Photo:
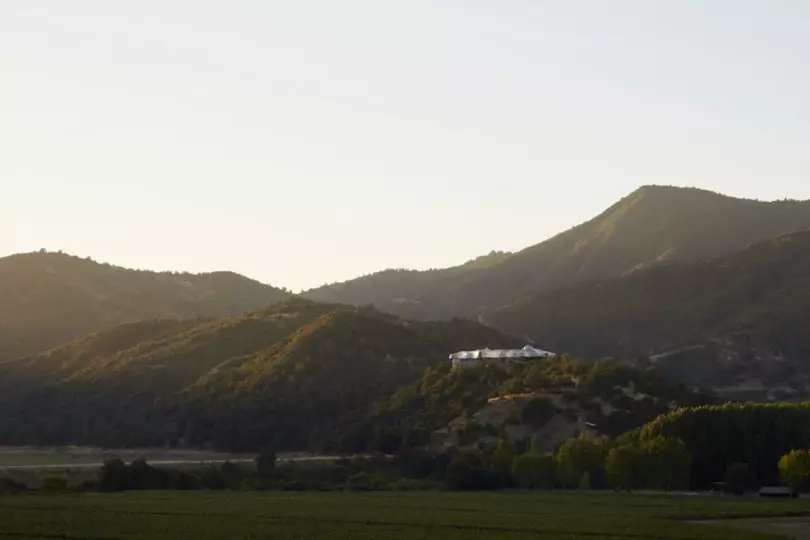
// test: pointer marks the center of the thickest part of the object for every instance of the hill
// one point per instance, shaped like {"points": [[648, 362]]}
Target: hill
{"points": [[548, 400], [740, 319], [52, 298], [304, 375], [653, 225], [294, 374]]}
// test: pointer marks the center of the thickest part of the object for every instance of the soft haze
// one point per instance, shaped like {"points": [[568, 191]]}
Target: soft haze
{"points": [[313, 141]]}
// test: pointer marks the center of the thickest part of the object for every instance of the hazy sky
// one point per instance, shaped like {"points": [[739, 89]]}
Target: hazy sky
{"points": [[300, 142]]}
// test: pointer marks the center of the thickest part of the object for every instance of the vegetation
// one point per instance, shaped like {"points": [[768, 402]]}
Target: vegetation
{"points": [[662, 463], [654, 224], [301, 375], [51, 298], [716, 437], [753, 297], [533, 470], [794, 469], [238, 383], [377, 516]]}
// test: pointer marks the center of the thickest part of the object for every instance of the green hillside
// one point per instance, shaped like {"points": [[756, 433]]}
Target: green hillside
{"points": [[295, 374], [748, 309], [610, 397], [653, 225], [49, 299]]}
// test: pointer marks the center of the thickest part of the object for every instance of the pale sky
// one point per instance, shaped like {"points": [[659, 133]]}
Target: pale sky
{"points": [[302, 142]]}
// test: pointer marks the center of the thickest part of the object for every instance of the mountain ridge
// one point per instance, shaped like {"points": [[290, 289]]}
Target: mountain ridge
{"points": [[296, 372], [52, 298], [653, 224], [744, 311]]}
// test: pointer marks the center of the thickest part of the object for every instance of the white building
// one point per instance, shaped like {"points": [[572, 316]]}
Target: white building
{"points": [[468, 358]]}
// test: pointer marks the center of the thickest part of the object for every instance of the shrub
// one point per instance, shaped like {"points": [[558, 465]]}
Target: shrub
{"points": [[794, 469], [54, 482], [8, 485]]}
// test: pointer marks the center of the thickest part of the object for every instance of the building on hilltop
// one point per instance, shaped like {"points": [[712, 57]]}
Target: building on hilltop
{"points": [[468, 358]]}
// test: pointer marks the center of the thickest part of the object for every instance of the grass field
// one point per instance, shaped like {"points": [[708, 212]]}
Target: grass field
{"points": [[382, 515]]}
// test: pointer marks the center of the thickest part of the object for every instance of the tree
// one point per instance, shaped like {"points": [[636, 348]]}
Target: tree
{"points": [[113, 476], [537, 413], [266, 463], [584, 481], [460, 472], [141, 475], [738, 477], [582, 454], [667, 463], [624, 467], [467, 471], [794, 469], [533, 470], [501, 461]]}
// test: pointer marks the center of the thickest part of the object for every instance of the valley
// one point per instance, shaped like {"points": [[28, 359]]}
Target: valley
{"points": [[646, 317]]}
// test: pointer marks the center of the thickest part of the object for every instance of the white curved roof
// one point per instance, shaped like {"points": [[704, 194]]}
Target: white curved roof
{"points": [[526, 352]]}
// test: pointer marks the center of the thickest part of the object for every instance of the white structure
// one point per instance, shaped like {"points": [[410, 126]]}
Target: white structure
{"points": [[468, 358]]}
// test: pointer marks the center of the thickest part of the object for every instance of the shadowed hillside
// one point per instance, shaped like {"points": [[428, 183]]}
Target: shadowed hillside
{"points": [[293, 374], [724, 313], [651, 226], [49, 299]]}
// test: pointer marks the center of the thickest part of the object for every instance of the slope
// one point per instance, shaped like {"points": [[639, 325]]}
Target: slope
{"points": [[654, 224], [741, 315], [49, 299], [292, 374]]}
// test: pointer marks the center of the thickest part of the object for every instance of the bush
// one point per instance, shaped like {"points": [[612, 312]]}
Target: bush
{"points": [[410, 484], [7, 485], [414, 463], [360, 482], [113, 476], [467, 472], [321, 474], [54, 482]]}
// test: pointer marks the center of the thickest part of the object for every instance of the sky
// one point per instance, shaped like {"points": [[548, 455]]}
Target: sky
{"points": [[307, 142]]}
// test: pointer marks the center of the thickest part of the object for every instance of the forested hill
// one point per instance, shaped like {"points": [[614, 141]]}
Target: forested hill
{"points": [[747, 313], [297, 374], [49, 299], [654, 224]]}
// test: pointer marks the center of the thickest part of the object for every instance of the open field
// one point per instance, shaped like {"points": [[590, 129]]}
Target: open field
{"points": [[381, 515], [85, 457], [75, 457]]}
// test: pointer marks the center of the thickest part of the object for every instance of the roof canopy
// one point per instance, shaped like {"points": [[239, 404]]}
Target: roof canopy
{"points": [[526, 352]]}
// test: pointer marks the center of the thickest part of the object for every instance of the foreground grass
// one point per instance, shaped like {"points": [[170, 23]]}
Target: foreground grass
{"points": [[390, 515]]}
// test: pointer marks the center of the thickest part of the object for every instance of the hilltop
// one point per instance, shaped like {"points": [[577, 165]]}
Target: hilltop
{"points": [[739, 319], [52, 298], [651, 226]]}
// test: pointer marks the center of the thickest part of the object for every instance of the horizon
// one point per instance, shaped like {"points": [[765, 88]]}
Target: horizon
{"points": [[459, 263], [304, 144]]}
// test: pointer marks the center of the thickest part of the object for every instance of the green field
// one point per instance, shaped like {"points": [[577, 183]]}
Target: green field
{"points": [[413, 515]]}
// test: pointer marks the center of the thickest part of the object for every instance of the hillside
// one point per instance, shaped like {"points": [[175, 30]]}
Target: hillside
{"points": [[548, 400], [653, 225], [52, 298], [741, 317], [294, 375]]}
